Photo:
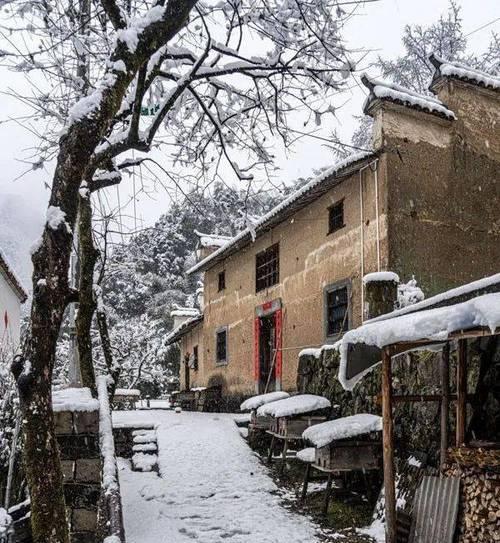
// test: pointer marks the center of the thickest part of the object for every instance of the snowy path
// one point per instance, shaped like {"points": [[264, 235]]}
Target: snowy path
{"points": [[212, 487]]}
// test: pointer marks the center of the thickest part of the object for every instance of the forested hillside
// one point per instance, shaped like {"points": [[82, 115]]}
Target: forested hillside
{"points": [[146, 277]]}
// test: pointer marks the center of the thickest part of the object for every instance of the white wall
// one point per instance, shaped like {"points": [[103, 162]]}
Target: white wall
{"points": [[10, 305]]}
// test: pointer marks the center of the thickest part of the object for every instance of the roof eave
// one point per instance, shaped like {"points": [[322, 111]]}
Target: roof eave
{"points": [[183, 331], [302, 202]]}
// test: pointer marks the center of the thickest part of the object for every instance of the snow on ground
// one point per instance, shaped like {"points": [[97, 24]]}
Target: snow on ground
{"points": [[211, 487]]}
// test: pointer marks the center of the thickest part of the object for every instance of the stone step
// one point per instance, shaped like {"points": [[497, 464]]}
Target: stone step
{"points": [[147, 448], [148, 436], [144, 462]]}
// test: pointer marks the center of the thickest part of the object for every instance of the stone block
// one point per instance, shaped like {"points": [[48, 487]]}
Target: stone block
{"points": [[67, 469], [63, 421], [86, 422], [88, 470], [82, 496], [85, 537], [83, 520], [78, 446]]}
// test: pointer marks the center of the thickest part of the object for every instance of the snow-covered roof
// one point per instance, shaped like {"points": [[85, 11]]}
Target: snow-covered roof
{"points": [[300, 198], [11, 277], [185, 312], [386, 91], [211, 240], [294, 405], [472, 306], [446, 68], [326, 432], [74, 399], [177, 333], [256, 401]]}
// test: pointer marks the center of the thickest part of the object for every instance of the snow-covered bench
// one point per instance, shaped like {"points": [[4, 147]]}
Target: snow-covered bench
{"points": [[261, 423], [343, 445], [290, 417]]}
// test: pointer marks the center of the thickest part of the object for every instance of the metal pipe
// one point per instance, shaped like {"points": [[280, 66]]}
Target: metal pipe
{"points": [[377, 214]]}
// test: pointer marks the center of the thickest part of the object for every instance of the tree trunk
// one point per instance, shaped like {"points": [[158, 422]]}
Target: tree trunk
{"points": [[87, 304], [51, 290], [112, 367]]}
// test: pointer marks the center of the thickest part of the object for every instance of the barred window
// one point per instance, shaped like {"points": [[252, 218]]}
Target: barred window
{"points": [[222, 280], [195, 358], [267, 268], [336, 217], [337, 311], [221, 346]]}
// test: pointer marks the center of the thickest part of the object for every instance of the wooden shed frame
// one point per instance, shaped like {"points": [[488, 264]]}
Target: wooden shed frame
{"points": [[389, 399]]}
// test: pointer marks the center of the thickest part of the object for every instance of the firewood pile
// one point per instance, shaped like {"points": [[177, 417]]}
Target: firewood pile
{"points": [[479, 515]]}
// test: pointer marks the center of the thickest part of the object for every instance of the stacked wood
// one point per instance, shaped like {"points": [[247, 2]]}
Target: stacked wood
{"points": [[479, 514]]}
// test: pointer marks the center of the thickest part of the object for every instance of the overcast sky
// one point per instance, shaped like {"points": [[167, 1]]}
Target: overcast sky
{"points": [[378, 27]]}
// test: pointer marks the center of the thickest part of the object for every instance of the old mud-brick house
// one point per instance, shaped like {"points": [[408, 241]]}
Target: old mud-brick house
{"points": [[424, 202]]}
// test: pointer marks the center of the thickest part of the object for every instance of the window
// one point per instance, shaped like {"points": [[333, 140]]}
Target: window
{"points": [[337, 310], [221, 346], [195, 358], [336, 217], [267, 268], [222, 280]]}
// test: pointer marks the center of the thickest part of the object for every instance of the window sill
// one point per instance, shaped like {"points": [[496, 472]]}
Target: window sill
{"points": [[222, 363], [336, 230]]}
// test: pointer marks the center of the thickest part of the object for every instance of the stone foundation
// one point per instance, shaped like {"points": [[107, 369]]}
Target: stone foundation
{"points": [[78, 438]]}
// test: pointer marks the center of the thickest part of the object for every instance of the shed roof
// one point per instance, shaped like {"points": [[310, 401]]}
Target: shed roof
{"points": [[211, 240], [11, 277], [296, 201], [184, 328], [446, 68], [473, 307]]}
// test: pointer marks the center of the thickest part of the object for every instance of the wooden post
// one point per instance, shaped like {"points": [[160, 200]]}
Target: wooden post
{"points": [[461, 391], [388, 447], [307, 473], [445, 400]]}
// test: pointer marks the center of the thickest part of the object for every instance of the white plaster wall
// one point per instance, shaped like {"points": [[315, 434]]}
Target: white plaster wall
{"points": [[10, 305]]}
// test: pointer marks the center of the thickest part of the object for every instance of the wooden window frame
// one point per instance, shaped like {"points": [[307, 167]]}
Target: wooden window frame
{"points": [[220, 362], [335, 228], [221, 278], [267, 272], [345, 284], [196, 355]]}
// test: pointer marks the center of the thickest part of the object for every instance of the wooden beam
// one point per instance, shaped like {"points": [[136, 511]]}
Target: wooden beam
{"points": [[388, 449], [461, 391], [445, 400]]}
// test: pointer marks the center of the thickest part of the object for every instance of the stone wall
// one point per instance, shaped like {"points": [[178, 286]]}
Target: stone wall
{"points": [[417, 427], [78, 438]]}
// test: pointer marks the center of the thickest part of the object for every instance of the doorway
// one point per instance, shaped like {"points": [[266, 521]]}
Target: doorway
{"points": [[267, 354], [268, 347]]}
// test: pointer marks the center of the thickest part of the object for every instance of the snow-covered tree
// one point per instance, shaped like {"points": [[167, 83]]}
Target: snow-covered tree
{"points": [[221, 80]]}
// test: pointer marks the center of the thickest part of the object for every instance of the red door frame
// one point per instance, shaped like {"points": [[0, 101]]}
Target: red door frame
{"points": [[269, 308]]}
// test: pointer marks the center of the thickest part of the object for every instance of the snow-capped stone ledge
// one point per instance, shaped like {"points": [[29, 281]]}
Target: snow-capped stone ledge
{"points": [[386, 91], [326, 432], [380, 276], [74, 399]]}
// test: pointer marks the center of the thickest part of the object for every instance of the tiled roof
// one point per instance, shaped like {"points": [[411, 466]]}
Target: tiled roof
{"points": [[299, 199]]}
